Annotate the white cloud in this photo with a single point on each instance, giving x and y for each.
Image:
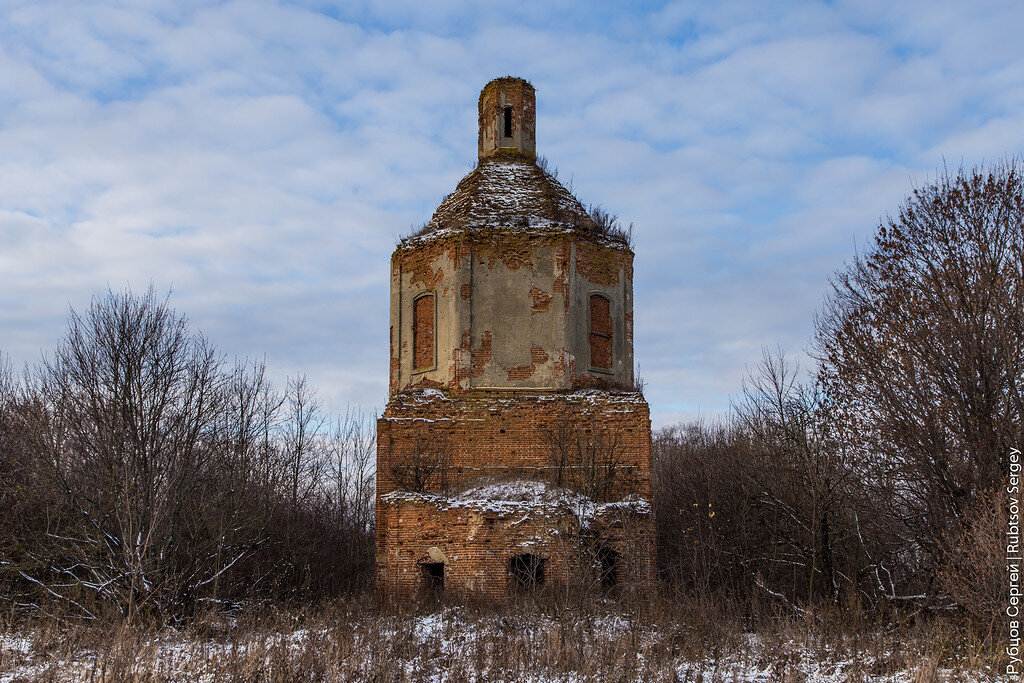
(260, 157)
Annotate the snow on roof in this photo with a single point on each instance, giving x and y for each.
(427, 397)
(509, 189)
(512, 497)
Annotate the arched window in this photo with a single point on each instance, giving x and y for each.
(601, 332)
(423, 332)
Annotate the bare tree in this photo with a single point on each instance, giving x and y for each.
(144, 476)
(303, 454)
(801, 476)
(123, 409)
(352, 453)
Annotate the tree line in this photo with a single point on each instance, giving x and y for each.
(141, 473)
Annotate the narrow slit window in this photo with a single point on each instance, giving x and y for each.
(601, 332)
(423, 332)
(611, 567)
(508, 122)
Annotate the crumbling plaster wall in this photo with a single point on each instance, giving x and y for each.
(511, 313)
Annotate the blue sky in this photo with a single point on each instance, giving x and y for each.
(260, 158)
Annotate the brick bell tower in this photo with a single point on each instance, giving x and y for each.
(514, 454)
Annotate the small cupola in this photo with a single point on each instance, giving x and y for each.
(508, 118)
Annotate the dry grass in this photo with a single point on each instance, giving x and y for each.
(356, 640)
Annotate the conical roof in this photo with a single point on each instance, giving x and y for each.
(509, 191)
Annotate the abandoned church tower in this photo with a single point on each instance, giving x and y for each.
(515, 452)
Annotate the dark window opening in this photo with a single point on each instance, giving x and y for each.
(611, 567)
(508, 122)
(433, 577)
(527, 570)
(423, 332)
(601, 332)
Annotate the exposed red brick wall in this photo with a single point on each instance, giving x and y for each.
(541, 300)
(601, 331)
(537, 357)
(423, 332)
(601, 264)
(497, 434)
(482, 356)
(515, 254)
(423, 262)
(478, 539)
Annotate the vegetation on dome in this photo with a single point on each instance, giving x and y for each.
(519, 192)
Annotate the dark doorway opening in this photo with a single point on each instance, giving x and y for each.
(433, 577)
(527, 570)
(508, 122)
(611, 567)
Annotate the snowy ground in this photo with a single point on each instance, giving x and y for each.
(455, 644)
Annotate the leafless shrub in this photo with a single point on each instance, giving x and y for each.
(545, 166)
(584, 456)
(973, 568)
(146, 477)
(607, 224)
(424, 467)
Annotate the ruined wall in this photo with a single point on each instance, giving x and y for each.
(513, 310)
(500, 435)
(477, 539)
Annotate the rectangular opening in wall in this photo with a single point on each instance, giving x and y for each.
(527, 571)
(610, 563)
(508, 122)
(433, 577)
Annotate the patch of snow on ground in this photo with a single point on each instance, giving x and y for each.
(453, 634)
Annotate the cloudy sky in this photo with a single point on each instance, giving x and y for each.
(260, 158)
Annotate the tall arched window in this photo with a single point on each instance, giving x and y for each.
(601, 332)
(423, 332)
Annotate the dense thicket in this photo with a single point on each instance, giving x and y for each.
(869, 481)
(142, 473)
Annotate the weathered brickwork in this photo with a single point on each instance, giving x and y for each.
(513, 454)
(541, 300)
(502, 293)
(495, 434)
(478, 539)
(601, 332)
(423, 332)
(517, 95)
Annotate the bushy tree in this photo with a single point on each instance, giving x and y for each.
(922, 353)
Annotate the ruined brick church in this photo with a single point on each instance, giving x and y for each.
(514, 454)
